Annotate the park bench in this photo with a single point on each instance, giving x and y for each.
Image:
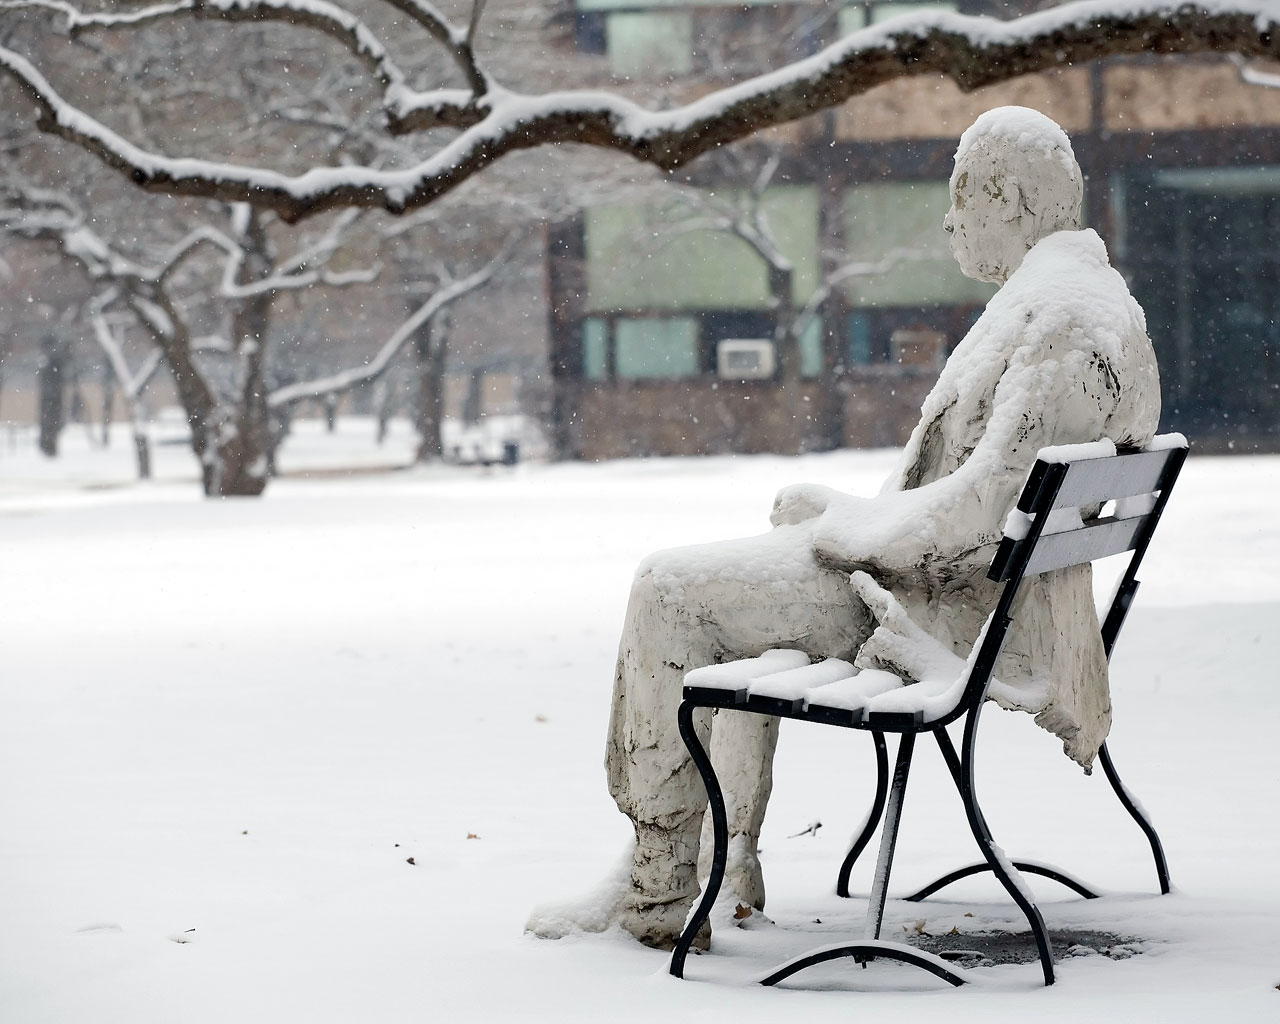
(1119, 497)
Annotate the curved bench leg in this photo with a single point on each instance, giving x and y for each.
(1025, 866)
(871, 947)
(865, 952)
(1000, 866)
(1139, 815)
(873, 816)
(720, 834)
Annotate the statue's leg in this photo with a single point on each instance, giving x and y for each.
(649, 771)
(742, 749)
(693, 607)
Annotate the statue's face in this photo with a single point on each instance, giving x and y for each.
(1004, 200)
(988, 235)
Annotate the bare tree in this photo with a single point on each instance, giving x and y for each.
(468, 120)
(131, 383)
(221, 381)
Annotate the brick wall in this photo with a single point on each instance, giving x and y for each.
(875, 406)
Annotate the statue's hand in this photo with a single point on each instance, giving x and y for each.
(895, 532)
(799, 502)
(898, 645)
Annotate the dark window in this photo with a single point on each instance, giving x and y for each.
(1201, 250)
(589, 32)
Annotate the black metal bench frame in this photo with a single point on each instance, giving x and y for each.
(1051, 485)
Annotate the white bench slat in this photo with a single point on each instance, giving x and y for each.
(733, 675)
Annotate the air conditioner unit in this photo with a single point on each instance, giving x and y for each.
(745, 359)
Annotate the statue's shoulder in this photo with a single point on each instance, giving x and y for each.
(1067, 282)
(1075, 252)
(1070, 274)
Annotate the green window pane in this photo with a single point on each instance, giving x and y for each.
(859, 339)
(654, 348)
(594, 339)
(636, 260)
(645, 44)
(810, 344)
(884, 11)
(900, 226)
(854, 17)
(850, 19)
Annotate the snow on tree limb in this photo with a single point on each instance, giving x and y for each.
(131, 383)
(971, 51)
(1252, 76)
(375, 367)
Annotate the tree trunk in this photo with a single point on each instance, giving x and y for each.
(239, 463)
(51, 375)
(142, 448)
(108, 400)
(236, 470)
(474, 400)
(431, 351)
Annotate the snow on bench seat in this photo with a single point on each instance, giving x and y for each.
(787, 683)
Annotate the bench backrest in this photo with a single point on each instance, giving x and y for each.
(1058, 523)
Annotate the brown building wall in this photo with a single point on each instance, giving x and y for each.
(881, 404)
(872, 407)
(701, 416)
(930, 106)
(1135, 95)
(1169, 96)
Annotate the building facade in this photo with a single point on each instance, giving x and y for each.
(670, 335)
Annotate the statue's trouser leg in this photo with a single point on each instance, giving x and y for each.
(691, 607)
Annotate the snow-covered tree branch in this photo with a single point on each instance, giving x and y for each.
(495, 120)
(440, 300)
(132, 383)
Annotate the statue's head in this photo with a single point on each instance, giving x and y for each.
(1015, 181)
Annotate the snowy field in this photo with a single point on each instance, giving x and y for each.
(315, 757)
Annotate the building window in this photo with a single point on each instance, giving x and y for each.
(649, 44)
(873, 12)
(590, 33)
(655, 348)
(637, 260)
(1200, 248)
(900, 226)
(595, 342)
(858, 350)
(810, 345)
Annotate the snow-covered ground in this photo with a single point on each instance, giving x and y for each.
(314, 757)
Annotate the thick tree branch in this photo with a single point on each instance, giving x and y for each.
(973, 52)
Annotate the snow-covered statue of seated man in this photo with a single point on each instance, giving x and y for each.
(1059, 356)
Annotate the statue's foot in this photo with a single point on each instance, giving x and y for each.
(743, 879)
(654, 922)
(658, 924)
(649, 898)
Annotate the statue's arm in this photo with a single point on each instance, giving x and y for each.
(797, 503)
(1053, 395)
